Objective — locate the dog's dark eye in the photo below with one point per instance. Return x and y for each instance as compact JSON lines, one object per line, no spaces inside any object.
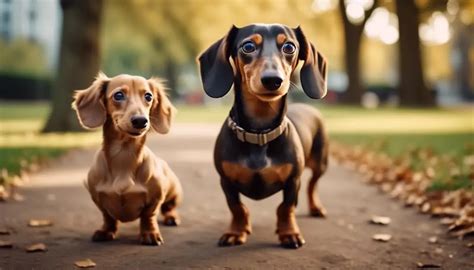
{"x":119,"y":96}
{"x":248,"y":47}
{"x":288,"y":48}
{"x":148,"y":97}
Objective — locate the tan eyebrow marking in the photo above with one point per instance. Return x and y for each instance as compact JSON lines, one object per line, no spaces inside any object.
{"x":281,"y":38}
{"x":256,"y":38}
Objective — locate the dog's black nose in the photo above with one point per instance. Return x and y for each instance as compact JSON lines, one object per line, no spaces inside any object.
{"x":139,"y":122}
{"x":271,"y":83}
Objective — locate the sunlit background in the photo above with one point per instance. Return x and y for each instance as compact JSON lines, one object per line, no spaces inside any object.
{"x":164,"y":37}
{"x":386,"y":58}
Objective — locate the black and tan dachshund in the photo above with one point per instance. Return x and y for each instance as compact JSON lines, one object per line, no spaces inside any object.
{"x":264,"y":146}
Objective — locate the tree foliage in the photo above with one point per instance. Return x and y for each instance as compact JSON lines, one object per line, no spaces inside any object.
{"x":22,"y":56}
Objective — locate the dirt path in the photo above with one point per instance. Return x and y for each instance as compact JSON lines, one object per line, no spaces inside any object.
{"x":343,"y":241}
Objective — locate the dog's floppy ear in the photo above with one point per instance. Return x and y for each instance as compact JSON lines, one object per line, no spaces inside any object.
{"x":89,"y":103}
{"x":313,"y":74}
{"x":217,"y":74}
{"x":162,"y":111}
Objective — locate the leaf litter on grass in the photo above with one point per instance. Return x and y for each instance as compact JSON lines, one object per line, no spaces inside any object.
{"x":437,"y":184}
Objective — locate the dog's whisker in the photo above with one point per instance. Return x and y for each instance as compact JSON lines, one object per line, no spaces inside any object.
{"x":295,"y":86}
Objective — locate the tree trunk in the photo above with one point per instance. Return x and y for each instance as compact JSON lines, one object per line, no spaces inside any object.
{"x":465,"y":69}
{"x":352,"y":43}
{"x":412,"y":88}
{"x":171,"y":75}
{"x":355,"y":88}
{"x":79,"y":60}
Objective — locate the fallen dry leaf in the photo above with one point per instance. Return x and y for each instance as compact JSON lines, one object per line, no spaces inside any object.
{"x":87,"y":263}
{"x":470,"y":245}
{"x":5,"y":244}
{"x":382,"y":237}
{"x":427,"y":265}
{"x":39,"y":247}
{"x":433,"y":239}
{"x":40,"y":223}
{"x":379,"y":220}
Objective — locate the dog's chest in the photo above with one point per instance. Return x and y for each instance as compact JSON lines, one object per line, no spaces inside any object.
{"x":242,"y":172}
{"x":123,"y":199}
{"x":258,"y":176}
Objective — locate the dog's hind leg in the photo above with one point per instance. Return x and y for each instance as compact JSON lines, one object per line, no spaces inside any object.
{"x":168,"y":210}
{"x":316,"y":208}
{"x":174,"y":197}
{"x":318,"y":164}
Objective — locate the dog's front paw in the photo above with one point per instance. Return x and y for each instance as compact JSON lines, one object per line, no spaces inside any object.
{"x":292,"y":241}
{"x":232,"y":239}
{"x":151,"y":239}
{"x":101,"y":236}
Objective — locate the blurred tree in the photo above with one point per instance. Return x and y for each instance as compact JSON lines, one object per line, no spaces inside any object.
{"x":462,"y":45}
{"x":465,"y":68}
{"x":79,"y":59}
{"x":352,"y":43}
{"x":162,"y":40}
{"x":412,"y":88}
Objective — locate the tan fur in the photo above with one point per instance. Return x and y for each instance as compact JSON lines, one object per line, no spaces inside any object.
{"x":262,"y":106}
{"x":281,"y":38}
{"x":242,"y":174}
{"x":257,"y":38}
{"x":259,"y":102}
{"x":127,"y":181}
{"x":257,"y":108}
{"x":276,"y":173}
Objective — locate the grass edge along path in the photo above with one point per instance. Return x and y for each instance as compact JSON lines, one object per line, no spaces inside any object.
{"x":410,"y":178}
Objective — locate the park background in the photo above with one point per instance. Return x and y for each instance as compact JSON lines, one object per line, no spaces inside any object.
{"x":399,"y":112}
{"x":400,"y":72}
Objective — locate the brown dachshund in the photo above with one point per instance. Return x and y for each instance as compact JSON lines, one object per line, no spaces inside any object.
{"x":127,"y":181}
{"x":263,"y":147}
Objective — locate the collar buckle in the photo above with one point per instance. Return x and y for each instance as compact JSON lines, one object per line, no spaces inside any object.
{"x":262,"y":139}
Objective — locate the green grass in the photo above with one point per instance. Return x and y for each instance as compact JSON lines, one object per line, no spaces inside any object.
{"x":446,"y":131}
{"x":451,"y":149}
{"x":23,"y":111}
{"x":12,"y":158}
{"x":398,"y":144}
{"x":21,"y":141}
